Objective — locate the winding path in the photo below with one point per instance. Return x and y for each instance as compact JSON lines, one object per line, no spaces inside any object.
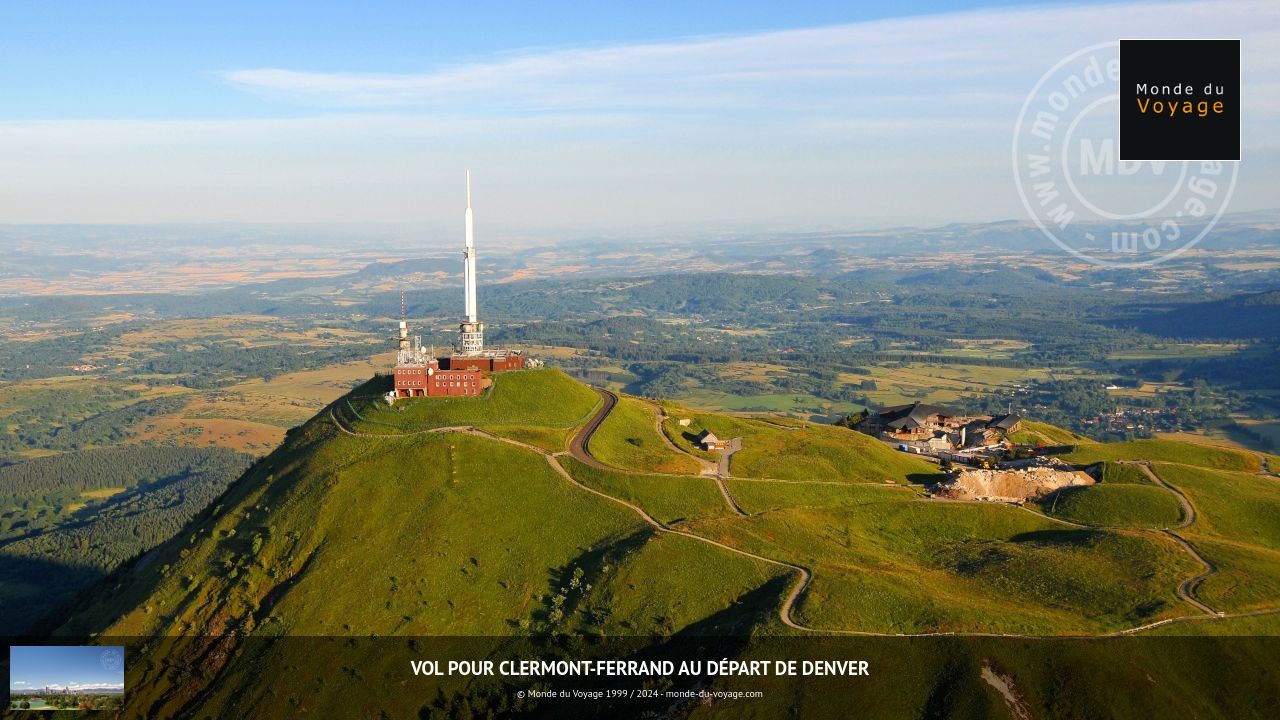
{"x":579,"y":449}
{"x":1188,"y":586}
{"x":722,"y":472}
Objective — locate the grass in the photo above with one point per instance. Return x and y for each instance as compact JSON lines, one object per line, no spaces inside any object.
{"x":1238,"y":529}
{"x":766,"y":402}
{"x":1036,"y":433}
{"x":807,"y":452}
{"x":102,"y":493}
{"x":668,"y":499}
{"x":1179,"y":351}
{"x":1238,"y":507}
{"x":454,"y":534}
{"x":1236,"y":627}
{"x":244,"y":435}
{"x":544,"y":398}
{"x":885,"y":561}
{"x":1115,"y":505}
{"x":434,"y":534}
{"x":1115,"y":473}
{"x":549,"y":439}
{"x":1248,"y":576}
{"x":899,"y":383}
{"x":412,"y":559}
{"x":628,"y":439}
{"x":757,"y":496}
{"x":1166,"y":451}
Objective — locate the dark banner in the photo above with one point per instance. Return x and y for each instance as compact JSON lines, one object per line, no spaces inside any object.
{"x":428,"y":677}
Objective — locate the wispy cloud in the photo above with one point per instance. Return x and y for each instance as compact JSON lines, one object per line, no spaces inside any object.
{"x":952,"y":59}
{"x":72,"y":687}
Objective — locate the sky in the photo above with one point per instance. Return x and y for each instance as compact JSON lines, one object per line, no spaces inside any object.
{"x":58,"y":667}
{"x":574,"y":118}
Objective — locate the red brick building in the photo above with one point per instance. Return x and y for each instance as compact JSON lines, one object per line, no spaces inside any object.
{"x":490,"y":361}
{"x":428,"y":380}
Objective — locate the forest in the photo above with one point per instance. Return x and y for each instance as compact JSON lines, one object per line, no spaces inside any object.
{"x":68,"y":519}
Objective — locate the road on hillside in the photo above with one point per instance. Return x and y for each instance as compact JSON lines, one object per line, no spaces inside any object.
{"x":731,"y":447}
{"x":582,"y":438}
{"x":803,"y":575}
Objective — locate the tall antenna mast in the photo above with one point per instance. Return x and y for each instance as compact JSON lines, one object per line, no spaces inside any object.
{"x":402,"y":316}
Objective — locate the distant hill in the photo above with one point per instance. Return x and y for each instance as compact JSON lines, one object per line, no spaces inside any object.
{"x":1254,"y":315}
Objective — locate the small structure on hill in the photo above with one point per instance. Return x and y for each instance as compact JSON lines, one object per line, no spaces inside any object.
{"x":707,"y":440}
{"x":1006,"y":423}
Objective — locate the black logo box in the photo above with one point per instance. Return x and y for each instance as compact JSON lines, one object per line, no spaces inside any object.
{"x":1205,"y":73}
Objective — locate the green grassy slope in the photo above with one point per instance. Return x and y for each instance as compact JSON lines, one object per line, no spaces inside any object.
{"x":885,"y":560}
{"x":1237,"y":529}
{"x":542,"y":398}
{"x":667,"y":499}
{"x":804,"y":452}
{"x":627,"y":439}
{"x":379,"y":535}
{"x":1166,"y":451}
{"x":1118,"y":505}
{"x":412,"y":533}
{"x":1114,"y":473}
{"x":1035,"y":433}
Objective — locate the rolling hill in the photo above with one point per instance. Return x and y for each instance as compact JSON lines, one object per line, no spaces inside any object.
{"x":544,"y":513}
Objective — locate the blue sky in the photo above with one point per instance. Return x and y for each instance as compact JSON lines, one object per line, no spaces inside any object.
{"x":575,"y":118}
{"x":57,"y":667}
{"x":147,"y":60}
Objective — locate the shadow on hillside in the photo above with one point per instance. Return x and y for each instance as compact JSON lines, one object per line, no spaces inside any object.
{"x":34,"y":589}
{"x":745,"y":614}
{"x":1074,"y":538}
{"x":926,"y":478}
{"x":569,"y":582}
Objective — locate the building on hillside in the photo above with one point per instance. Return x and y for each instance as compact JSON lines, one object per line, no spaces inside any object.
{"x":488,"y":361}
{"x":418,"y":373}
{"x":936,"y":430}
{"x":428,"y":380}
{"x":707,"y":440}
{"x":1006,"y":423}
{"x":915,"y":421}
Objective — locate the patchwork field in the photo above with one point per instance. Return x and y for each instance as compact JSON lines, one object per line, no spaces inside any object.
{"x":899,"y":383}
{"x":244,"y":435}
